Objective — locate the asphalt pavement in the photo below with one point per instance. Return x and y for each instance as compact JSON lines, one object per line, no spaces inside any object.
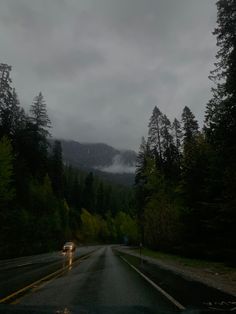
{"x":20,"y":272}
{"x":101,"y":280}
{"x":91,"y":280}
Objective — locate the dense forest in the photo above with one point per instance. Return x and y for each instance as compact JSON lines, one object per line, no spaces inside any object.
{"x":186,"y":177}
{"x":43,"y":202}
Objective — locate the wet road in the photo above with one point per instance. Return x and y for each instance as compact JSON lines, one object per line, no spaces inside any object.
{"x":92,"y":280}
{"x":19,"y":272}
{"x":103,"y":279}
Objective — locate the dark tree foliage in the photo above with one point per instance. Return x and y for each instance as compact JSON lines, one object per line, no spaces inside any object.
{"x":42,"y":202}
{"x":11,"y":114}
{"x":193,"y":210}
{"x":154,"y":135}
{"x":221,"y":125}
{"x":177,"y":135}
{"x":179,"y":204}
{"x":37,"y":127}
{"x":39,"y":117}
{"x":100,"y":199}
{"x":57,"y":169}
{"x":141,"y":192}
{"x":144,"y":152}
{"x":178,"y":153}
{"x":169,"y":149}
{"x":88,"y":192}
{"x":190,"y":169}
{"x":221,"y":110}
{"x":6,"y":173}
{"x":190,"y":127}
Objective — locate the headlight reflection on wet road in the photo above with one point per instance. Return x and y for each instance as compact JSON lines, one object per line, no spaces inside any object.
{"x":68,"y":260}
{"x":64,"y":311}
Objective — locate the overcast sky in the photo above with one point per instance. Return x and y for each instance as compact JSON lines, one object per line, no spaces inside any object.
{"x":102,"y":65}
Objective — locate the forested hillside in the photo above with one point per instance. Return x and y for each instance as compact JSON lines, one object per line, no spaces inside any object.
{"x":88,"y":155}
{"x":42,"y":202}
{"x":98,"y":156}
{"x":111,"y":164}
{"x":186,"y":177}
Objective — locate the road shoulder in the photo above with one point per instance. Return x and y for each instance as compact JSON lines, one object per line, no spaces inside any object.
{"x":220,"y":278}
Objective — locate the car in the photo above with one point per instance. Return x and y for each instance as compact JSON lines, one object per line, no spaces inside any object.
{"x":68,"y":247}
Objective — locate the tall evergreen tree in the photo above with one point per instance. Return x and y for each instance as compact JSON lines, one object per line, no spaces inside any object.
{"x":39,"y":116}
{"x":154,"y":135}
{"x":189,"y":166}
{"x":190,"y":127}
{"x":221,"y":110}
{"x":166,"y":136}
{"x":11,"y":115}
{"x":37,"y":127}
{"x":140,"y":182}
{"x":169,"y":150}
{"x":141,"y":162}
{"x":221,"y":124}
{"x":177,"y":134}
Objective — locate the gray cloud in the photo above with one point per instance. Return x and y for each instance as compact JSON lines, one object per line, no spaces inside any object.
{"x":102,"y":65}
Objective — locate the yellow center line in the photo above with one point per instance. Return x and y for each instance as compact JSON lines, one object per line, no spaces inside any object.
{"x":51,"y":276}
{"x":36,"y":288}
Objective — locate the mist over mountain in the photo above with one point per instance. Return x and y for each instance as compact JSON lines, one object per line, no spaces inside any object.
{"x":123,"y":162}
{"x":104,"y":160}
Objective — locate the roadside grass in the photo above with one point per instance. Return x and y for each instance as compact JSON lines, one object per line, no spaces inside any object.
{"x":214,"y":267}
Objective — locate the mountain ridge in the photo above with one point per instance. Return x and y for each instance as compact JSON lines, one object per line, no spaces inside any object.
{"x":115,"y":165}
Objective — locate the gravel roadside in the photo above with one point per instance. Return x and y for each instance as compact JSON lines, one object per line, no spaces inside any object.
{"x":223,"y":280}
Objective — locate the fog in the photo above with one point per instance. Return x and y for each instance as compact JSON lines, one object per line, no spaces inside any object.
{"x":118,"y":166}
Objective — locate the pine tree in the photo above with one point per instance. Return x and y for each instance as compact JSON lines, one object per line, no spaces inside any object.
{"x":190,"y":127}
{"x":140,"y":181}
{"x":165,"y":131}
{"x":5,"y":84}
{"x":177,"y":134}
{"x":37,"y":129}
{"x":189,"y":165}
{"x":141,"y":162}
{"x":11,"y":115}
{"x":221,"y":110}
{"x":169,"y":151}
{"x":221,"y":124}
{"x":154,"y":135}
{"x":39,"y":116}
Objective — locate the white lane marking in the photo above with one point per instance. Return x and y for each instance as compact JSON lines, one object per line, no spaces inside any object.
{"x":167,"y":295}
{"x":24,"y":264}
